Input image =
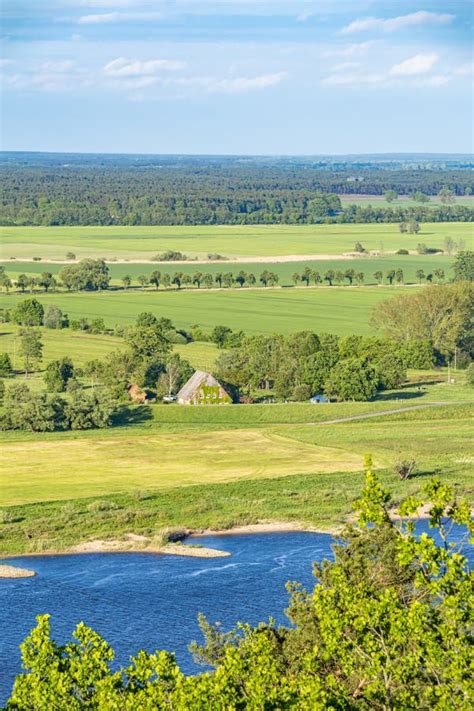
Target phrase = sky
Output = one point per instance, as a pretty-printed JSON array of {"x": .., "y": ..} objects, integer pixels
[{"x": 281, "y": 77}]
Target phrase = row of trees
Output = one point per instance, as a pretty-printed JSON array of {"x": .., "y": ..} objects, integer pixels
[{"x": 387, "y": 626}]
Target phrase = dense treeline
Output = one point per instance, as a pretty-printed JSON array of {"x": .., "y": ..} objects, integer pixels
[
  {"x": 387, "y": 626},
  {"x": 188, "y": 193}
]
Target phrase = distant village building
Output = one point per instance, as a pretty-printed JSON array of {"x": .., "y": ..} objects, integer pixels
[{"x": 203, "y": 389}]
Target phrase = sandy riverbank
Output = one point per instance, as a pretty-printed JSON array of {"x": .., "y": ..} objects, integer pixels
[{"x": 11, "y": 571}]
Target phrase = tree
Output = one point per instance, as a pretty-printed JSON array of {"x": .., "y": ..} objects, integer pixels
[
  {"x": 339, "y": 277},
  {"x": 142, "y": 280},
  {"x": 126, "y": 281},
  {"x": 316, "y": 277},
  {"x": 446, "y": 196},
  {"x": 6, "y": 368},
  {"x": 329, "y": 276},
  {"x": 295, "y": 278},
  {"x": 306, "y": 275},
  {"x": 251, "y": 279},
  {"x": 54, "y": 317},
  {"x": 360, "y": 276},
  {"x": 88, "y": 274},
  {"x": 22, "y": 282},
  {"x": 57, "y": 375},
  {"x": 349, "y": 274},
  {"x": 449, "y": 245},
  {"x": 439, "y": 274},
  {"x": 197, "y": 279},
  {"x": 399, "y": 277},
  {"x": 228, "y": 279},
  {"x": 218, "y": 279},
  {"x": 24, "y": 410},
  {"x": 403, "y": 227},
  {"x": 241, "y": 278},
  {"x": 71, "y": 256},
  {"x": 220, "y": 334},
  {"x": 378, "y": 276},
  {"x": 31, "y": 348},
  {"x": 418, "y": 196},
  {"x": 177, "y": 279},
  {"x": 413, "y": 227},
  {"x": 155, "y": 278},
  {"x": 420, "y": 275},
  {"x": 166, "y": 280},
  {"x": 28, "y": 313},
  {"x": 390, "y": 276},
  {"x": 358, "y": 247},
  {"x": 464, "y": 266},
  {"x": 352, "y": 379},
  {"x": 89, "y": 410},
  {"x": 441, "y": 315},
  {"x": 177, "y": 371},
  {"x": 5, "y": 281},
  {"x": 94, "y": 369},
  {"x": 47, "y": 281},
  {"x": 391, "y": 370},
  {"x": 390, "y": 195},
  {"x": 208, "y": 280}
]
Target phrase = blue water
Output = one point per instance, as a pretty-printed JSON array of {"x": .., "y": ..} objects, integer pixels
[{"x": 146, "y": 601}]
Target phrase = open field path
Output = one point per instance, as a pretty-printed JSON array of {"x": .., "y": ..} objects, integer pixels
[{"x": 382, "y": 413}]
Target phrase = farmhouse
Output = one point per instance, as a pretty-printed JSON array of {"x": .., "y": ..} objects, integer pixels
[{"x": 203, "y": 389}]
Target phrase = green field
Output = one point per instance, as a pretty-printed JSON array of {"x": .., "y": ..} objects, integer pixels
[
  {"x": 337, "y": 310},
  {"x": 285, "y": 270},
  {"x": 228, "y": 240},
  {"x": 64, "y": 488}
]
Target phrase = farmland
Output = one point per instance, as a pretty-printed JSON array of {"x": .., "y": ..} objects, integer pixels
[
  {"x": 242, "y": 241},
  {"x": 340, "y": 310}
]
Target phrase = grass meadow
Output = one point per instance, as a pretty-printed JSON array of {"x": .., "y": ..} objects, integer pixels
[
  {"x": 62, "y": 489},
  {"x": 340, "y": 310},
  {"x": 227, "y": 240}
]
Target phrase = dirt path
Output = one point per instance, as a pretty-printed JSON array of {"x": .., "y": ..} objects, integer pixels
[{"x": 393, "y": 411}]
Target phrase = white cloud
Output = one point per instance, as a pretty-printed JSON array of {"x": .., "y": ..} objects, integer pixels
[
  {"x": 465, "y": 70},
  {"x": 122, "y": 67},
  {"x": 392, "y": 24},
  {"x": 357, "y": 49},
  {"x": 344, "y": 66},
  {"x": 354, "y": 80},
  {"x": 419, "y": 64},
  {"x": 111, "y": 17},
  {"x": 304, "y": 16},
  {"x": 242, "y": 84},
  {"x": 57, "y": 67}
]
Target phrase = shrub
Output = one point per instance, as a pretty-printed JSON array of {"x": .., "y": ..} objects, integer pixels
[
  {"x": 96, "y": 506},
  {"x": 301, "y": 393},
  {"x": 54, "y": 318},
  {"x": 405, "y": 468},
  {"x": 403, "y": 251},
  {"x": 470, "y": 375},
  {"x": 28, "y": 313},
  {"x": 6, "y": 368}
]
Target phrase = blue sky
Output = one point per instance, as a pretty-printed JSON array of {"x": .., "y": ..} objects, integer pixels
[{"x": 237, "y": 76}]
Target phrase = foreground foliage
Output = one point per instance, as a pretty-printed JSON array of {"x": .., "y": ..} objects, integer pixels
[{"x": 387, "y": 627}]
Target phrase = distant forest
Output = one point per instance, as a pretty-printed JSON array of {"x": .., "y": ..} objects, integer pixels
[{"x": 69, "y": 189}]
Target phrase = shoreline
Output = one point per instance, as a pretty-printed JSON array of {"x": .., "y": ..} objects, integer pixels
[{"x": 140, "y": 544}]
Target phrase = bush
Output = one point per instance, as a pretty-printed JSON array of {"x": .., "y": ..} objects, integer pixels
[
  {"x": 470, "y": 375},
  {"x": 301, "y": 393},
  {"x": 405, "y": 468},
  {"x": 402, "y": 251},
  {"x": 54, "y": 318},
  {"x": 97, "y": 506},
  {"x": 6, "y": 368}
]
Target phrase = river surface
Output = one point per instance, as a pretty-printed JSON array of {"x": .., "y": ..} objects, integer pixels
[{"x": 147, "y": 601}]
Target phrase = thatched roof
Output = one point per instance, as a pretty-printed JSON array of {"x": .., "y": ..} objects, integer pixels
[{"x": 199, "y": 378}]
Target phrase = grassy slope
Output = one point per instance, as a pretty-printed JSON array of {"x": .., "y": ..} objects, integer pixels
[
  {"x": 241, "y": 240},
  {"x": 285, "y": 270},
  {"x": 440, "y": 443},
  {"x": 341, "y": 310}
]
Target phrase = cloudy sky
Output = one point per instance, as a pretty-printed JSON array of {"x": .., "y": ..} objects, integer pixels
[{"x": 237, "y": 76}]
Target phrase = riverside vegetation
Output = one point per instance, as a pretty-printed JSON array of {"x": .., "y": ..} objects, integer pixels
[{"x": 386, "y": 626}]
